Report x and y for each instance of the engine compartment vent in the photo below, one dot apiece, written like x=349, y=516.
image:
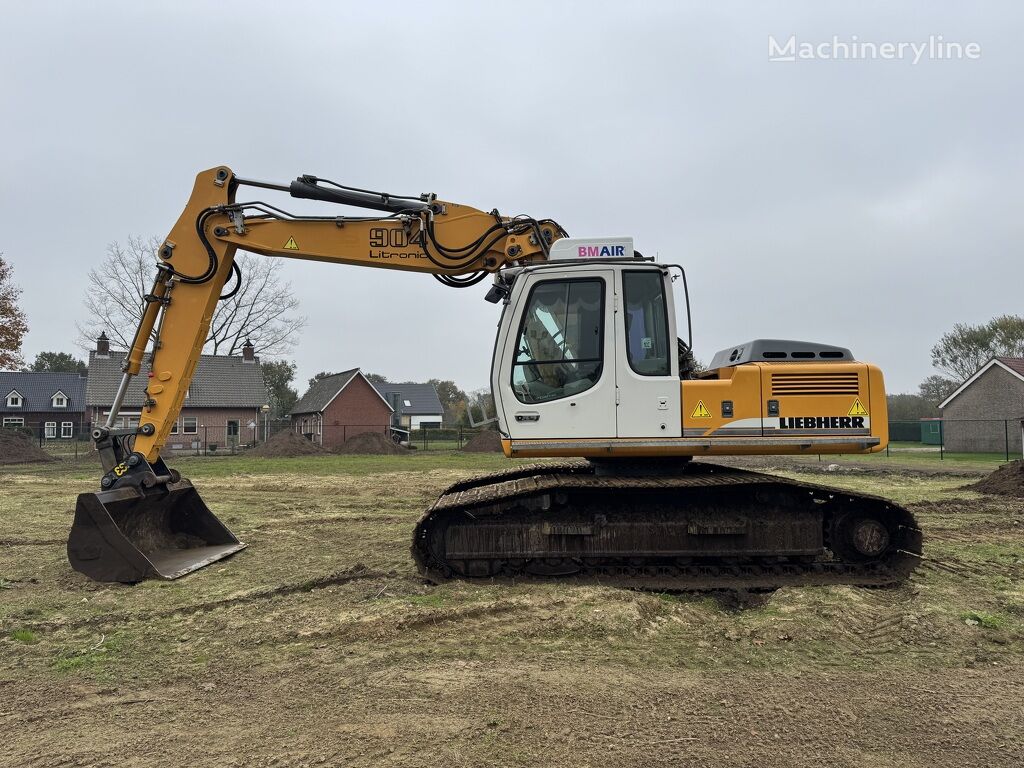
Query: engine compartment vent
x=844, y=383
x=778, y=350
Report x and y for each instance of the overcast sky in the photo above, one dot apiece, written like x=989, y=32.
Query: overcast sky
x=865, y=203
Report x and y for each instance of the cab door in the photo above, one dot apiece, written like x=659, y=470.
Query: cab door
x=647, y=363
x=556, y=377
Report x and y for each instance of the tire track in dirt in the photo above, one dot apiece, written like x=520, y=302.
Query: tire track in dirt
x=327, y=520
x=104, y=699
x=971, y=569
x=486, y=620
x=878, y=623
x=982, y=530
x=356, y=573
x=31, y=542
x=436, y=619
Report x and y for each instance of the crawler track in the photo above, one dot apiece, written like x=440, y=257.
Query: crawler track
x=704, y=527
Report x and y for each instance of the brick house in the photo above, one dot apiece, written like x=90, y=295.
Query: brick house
x=222, y=406
x=52, y=405
x=985, y=411
x=341, y=406
x=416, y=406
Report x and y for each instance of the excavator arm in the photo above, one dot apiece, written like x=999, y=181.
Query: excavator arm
x=146, y=520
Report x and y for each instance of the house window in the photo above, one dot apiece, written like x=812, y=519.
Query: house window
x=59, y=400
x=407, y=404
x=67, y=429
x=14, y=421
x=190, y=425
x=233, y=431
x=174, y=428
x=14, y=400
x=51, y=429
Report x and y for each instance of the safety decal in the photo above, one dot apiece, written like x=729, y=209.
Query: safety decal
x=700, y=412
x=857, y=409
x=291, y=245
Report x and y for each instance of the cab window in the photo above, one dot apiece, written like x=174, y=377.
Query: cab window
x=646, y=323
x=561, y=340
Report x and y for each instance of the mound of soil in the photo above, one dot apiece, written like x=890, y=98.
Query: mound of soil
x=17, y=448
x=286, y=444
x=1008, y=480
x=371, y=443
x=486, y=442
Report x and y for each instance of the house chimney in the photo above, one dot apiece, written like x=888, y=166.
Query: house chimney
x=248, y=352
x=103, y=345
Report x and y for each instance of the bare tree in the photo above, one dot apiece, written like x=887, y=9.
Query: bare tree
x=262, y=311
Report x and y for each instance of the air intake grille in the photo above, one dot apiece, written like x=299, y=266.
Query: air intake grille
x=815, y=384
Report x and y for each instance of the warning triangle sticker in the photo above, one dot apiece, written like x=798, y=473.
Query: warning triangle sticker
x=857, y=409
x=700, y=412
x=290, y=245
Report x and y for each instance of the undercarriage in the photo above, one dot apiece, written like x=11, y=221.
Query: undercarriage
x=698, y=526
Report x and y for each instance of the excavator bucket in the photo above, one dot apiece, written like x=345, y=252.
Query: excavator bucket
x=129, y=534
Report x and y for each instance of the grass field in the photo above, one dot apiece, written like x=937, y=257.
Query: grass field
x=319, y=645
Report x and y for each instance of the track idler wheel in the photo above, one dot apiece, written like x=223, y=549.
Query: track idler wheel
x=859, y=537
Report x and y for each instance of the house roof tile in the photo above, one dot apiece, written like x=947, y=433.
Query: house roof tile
x=219, y=381
x=422, y=399
x=38, y=389
x=323, y=391
x=1015, y=363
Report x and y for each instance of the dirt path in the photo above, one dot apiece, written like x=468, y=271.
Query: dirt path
x=336, y=710
x=319, y=646
x=876, y=466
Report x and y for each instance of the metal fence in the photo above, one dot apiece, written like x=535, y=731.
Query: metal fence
x=205, y=440
x=234, y=438
x=994, y=437
x=332, y=436
x=61, y=438
x=440, y=439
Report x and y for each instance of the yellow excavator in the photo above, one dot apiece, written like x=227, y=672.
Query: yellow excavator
x=588, y=366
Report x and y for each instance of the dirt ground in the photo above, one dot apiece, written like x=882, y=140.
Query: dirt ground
x=371, y=444
x=487, y=441
x=318, y=645
x=286, y=444
x=1008, y=480
x=16, y=448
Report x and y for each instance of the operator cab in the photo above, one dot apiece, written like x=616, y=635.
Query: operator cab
x=586, y=346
